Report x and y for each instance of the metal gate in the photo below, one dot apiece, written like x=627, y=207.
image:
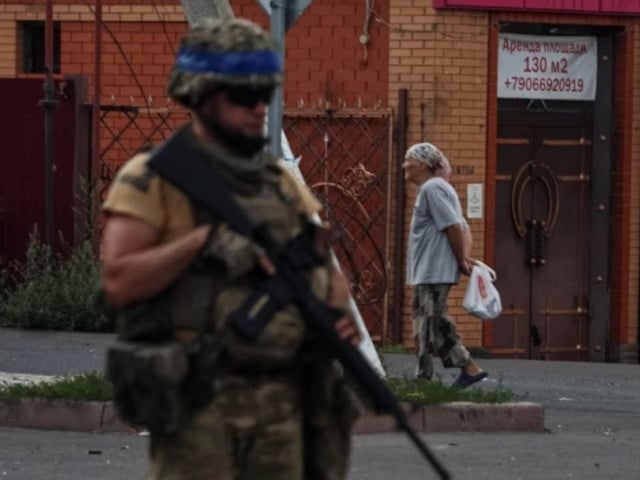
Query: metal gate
x=345, y=159
x=125, y=129
x=22, y=166
x=543, y=188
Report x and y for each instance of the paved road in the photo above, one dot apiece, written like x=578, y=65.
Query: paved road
x=592, y=416
x=578, y=449
x=51, y=353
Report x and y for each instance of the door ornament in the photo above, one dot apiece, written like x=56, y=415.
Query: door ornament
x=535, y=230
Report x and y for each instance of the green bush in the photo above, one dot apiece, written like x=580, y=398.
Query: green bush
x=56, y=292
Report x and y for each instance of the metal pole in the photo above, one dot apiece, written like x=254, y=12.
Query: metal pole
x=95, y=113
x=278, y=31
x=398, y=277
x=49, y=103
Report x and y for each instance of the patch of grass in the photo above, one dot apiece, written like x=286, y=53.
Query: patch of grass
x=393, y=348
x=95, y=387
x=424, y=392
x=84, y=387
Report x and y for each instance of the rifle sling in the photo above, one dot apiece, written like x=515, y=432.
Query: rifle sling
x=194, y=175
x=187, y=166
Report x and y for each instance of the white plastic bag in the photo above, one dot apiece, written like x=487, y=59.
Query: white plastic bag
x=482, y=299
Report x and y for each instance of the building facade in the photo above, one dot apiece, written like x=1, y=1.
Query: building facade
x=536, y=104
x=560, y=215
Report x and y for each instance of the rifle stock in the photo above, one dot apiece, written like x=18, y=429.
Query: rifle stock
x=185, y=165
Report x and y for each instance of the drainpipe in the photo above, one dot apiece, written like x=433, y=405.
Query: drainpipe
x=398, y=256
x=49, y=103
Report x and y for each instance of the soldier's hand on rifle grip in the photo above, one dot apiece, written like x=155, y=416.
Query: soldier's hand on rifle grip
x=236, y=253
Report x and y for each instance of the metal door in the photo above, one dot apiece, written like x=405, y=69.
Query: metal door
x=542, y=236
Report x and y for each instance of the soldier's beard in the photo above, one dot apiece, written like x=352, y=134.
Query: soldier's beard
x=232, y=138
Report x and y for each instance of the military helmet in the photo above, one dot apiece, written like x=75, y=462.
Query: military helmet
x=217, y=53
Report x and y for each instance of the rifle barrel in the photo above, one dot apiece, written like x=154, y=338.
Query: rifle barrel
x=363, y=374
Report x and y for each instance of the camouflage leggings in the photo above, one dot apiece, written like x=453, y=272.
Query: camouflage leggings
x=249, y=431
x=434, y=332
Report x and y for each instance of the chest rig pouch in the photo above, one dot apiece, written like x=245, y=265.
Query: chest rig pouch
x=158, y=382
x=275, y=341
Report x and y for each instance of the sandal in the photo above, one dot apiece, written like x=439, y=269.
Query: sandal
x=465, y=380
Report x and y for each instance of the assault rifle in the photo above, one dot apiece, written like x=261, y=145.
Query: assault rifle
x=185, y=164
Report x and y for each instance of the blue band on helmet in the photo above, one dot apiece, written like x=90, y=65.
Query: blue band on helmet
x=256, y=62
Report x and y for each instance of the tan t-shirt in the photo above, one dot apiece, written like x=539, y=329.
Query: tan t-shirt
x=140, y=193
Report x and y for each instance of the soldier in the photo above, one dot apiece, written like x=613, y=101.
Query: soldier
x=161, y=248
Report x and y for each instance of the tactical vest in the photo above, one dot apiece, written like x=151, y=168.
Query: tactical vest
x=205, y=294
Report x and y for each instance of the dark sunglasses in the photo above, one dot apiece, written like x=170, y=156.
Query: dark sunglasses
x=248, y=97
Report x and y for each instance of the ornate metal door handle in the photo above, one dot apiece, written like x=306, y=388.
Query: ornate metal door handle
x=535, y=171
x=536, y=231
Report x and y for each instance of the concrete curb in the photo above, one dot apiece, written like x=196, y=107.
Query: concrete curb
x=462, y=417
x=61, y=415
x=451, y=417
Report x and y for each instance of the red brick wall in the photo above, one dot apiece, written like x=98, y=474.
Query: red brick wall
x=324, y=56
x=441, y=58
x=324, y=60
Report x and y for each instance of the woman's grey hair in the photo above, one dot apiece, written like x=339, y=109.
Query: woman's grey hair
x=431, y=156
x=428, y=154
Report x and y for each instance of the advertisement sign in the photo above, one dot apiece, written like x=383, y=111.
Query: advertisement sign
x=547, y=67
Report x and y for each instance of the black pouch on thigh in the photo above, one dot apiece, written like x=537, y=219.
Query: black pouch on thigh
x=158, y=386
x=157, y=381
x=147, y=381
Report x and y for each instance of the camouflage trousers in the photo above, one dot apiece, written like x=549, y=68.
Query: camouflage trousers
x=434, y=332
x=331, y=408
x=251, y=430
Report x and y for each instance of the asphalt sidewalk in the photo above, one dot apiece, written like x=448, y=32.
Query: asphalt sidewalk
x=35, y=356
